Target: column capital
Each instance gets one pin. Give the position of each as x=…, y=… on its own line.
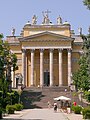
x=69, y=50
x=51, y=50
x=32, y=50
x=41, y=50
x=23, y=50
x=60, y=49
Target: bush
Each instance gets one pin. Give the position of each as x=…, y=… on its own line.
x=77, y=109
x=10, y=109
x=86, y=113
x=87, y=95
x=0, y=113
x=18, y=107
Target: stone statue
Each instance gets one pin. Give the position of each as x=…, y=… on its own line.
x=59, y=20
x=89, y=29
x=13, y=31
x=80, y=30
x=46, y=18
x=34, y=20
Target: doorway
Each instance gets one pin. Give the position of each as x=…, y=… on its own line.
x=17, y=79
x=46, y=78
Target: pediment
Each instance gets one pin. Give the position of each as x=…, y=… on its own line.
x=46, y=36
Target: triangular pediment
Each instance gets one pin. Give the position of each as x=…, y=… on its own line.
x=45, y=36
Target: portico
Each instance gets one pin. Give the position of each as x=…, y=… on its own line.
x=52, y=64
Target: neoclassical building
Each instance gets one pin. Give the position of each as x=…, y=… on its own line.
x=47, y=54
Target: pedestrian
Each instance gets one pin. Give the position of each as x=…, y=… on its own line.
x=55, y=106
x=74, y=103
x=49, y=105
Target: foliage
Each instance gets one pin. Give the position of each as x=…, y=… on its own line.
x=81, y=77
x=77, y=109
x=87, y=95
x=7, y=61
x=87, y=3
x=18, y=107
x=10, y=109
x=0, y=113
x=86, y=113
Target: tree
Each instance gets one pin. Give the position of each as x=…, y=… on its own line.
x=7, y=61
x=81, y=78
x=87, y=3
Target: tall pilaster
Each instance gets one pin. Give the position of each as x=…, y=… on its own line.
x=51, y=67
x=69, y=67
x=32, y=67
x=60, y=68
x=41, y=67
x=24, y=66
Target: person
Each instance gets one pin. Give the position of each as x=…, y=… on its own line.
x=55, y=106
x=49, y=105
x=74, y=103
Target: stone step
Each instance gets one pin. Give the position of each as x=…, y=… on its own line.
x=39, y=97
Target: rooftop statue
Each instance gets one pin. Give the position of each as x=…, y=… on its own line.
x=13, y=31
x=46, y=19
x=59, y=20
x=80, y=30
x=34, y=20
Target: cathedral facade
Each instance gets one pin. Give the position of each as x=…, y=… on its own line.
x=47, y=54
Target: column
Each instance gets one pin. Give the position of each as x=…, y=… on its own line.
x=51, y=67
x=32, y=67
x=41, y=68
x=60, y=68
x=24, y=66
x=69, y=67
x=12, y=76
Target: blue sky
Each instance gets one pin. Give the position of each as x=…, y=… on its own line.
x=16, y=13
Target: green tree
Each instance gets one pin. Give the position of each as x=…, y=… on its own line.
x=87, y=3
x=7, y=61
x=81, y=78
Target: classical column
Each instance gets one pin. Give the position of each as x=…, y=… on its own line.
x=12, y=76
x=60, y=68
x=32, y=67
x=24, y=66
x=41, y=67
x=69, y=67
x=51, y=67
x=26, y=71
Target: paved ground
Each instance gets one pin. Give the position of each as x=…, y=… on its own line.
x=42, y=114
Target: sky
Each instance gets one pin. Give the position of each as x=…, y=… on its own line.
x=16, y=13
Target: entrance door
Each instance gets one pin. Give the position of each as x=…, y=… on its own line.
x=17, y=82
x=46, y=79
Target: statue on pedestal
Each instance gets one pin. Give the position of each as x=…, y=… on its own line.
x=46, y=19
x=59, y=20
x=13, y=31
x=80, y=30
x=34, y=20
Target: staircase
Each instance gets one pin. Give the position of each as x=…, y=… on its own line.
x=38, y=97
